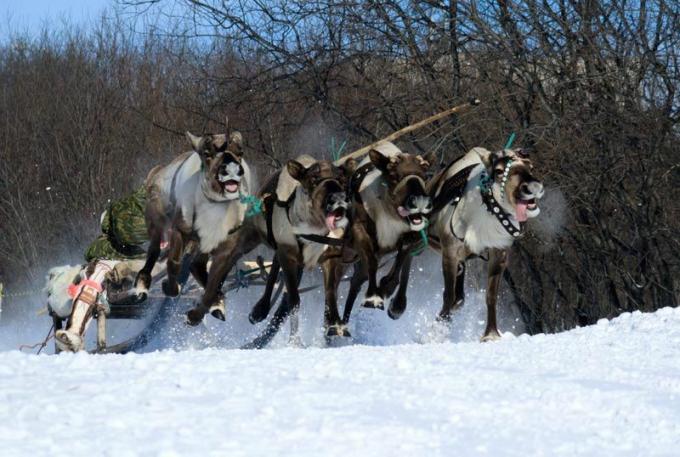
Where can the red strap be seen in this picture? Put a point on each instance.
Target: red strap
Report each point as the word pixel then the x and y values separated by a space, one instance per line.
pixel 74 289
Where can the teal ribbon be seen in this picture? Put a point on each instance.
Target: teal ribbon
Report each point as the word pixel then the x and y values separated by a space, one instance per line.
pixel 423 242
pixel 511 140
pixel 254 203
pixel 335 152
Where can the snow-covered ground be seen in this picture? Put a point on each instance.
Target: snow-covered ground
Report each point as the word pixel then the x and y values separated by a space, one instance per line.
pixel 609 389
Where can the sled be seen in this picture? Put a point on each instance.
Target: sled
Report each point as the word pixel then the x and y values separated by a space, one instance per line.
pixel 158 308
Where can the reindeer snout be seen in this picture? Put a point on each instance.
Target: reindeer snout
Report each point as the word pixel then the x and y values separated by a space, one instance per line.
pixel 419 204
pixel 532 189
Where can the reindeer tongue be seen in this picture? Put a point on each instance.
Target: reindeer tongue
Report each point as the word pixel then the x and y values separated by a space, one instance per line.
pixel 403 212
pixel 231 186
pixel 521 210
pixel 330 222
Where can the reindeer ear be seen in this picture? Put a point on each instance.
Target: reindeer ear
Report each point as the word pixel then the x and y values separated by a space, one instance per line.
pixel 236 143
pixel 197 142
pixel 379 160
pixel 296 170
pixel 485 155
pixel 429 160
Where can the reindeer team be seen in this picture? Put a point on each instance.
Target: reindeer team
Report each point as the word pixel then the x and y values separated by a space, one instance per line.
pixel 317 213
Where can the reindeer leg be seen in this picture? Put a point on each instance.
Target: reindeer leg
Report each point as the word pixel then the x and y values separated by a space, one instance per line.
pixel 364 245
pixel 225 257
pixel 453 268
pixel 174 263
pixel 498 261
pixel 390 282
pixel 199 268
pixel 358 279
pixel 261 309
pixel 292 273
pixel 332 271
pixel 143 279
pixel 398 303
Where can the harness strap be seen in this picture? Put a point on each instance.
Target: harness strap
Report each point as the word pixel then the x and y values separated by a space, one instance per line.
pixel 269 201
pixel 452 190
pixel 357 178
pixel 173 185
pixel 494 208
pixel 321 239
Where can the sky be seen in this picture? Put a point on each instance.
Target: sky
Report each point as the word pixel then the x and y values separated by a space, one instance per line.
pixel 30 15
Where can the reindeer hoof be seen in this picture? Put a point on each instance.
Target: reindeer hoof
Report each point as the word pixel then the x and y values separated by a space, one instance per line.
pixel 374 301
pixel 338 330
pixel 258 314
pixel 195 317
pixel 444 318
pixel 217 310
pixel 490 335
pixel 397 307
pixel 168 290
pixel 141 297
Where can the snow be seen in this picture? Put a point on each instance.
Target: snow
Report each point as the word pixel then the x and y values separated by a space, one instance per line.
pixel 609 389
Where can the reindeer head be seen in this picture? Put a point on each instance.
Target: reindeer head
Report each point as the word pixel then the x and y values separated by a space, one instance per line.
pixel 326 185
pixel 513 183
pixel 221 161
pixel 405 176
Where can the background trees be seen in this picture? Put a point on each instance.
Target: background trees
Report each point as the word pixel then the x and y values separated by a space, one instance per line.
pixel 591 86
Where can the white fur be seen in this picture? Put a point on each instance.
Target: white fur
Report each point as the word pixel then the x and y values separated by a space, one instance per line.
pixel 375 300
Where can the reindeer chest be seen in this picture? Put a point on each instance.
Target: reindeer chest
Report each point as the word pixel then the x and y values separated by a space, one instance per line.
pixel 213 222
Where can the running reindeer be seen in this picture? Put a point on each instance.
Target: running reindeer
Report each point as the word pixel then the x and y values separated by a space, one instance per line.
pixel 306 209
pixel 197 196
pixel 391 205
pixel 480 201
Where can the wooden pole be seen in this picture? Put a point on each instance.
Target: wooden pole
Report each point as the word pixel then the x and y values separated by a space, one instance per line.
pixel 409 128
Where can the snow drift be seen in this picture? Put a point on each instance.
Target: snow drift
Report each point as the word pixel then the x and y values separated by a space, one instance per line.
pixel 608 389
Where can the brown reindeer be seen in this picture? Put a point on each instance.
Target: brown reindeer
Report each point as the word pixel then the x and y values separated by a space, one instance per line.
pixel 197 196
pixel 305 208
pixel 390 206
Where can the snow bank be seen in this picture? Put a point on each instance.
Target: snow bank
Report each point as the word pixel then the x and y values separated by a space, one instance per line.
pixel 609 389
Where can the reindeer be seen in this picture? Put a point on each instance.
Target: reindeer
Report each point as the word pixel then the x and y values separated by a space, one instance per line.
pixel 391 206
pixel 481 202
pixel 197 196
pixel 305 209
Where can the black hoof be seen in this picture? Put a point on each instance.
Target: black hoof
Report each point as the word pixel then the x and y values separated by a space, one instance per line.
pixel 168 290
pixel 218 314
pixel 397 307
pixel 394 314
pixel 141 297
pixel 258 314
pixel 195 317
pixel 444 318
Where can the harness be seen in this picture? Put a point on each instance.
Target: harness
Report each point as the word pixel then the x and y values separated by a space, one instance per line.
pixel 494 208
pixel 357 178
pixel 269 201
pixel 452 191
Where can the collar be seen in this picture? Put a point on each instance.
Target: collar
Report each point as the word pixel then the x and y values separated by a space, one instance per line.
pixel 494 208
